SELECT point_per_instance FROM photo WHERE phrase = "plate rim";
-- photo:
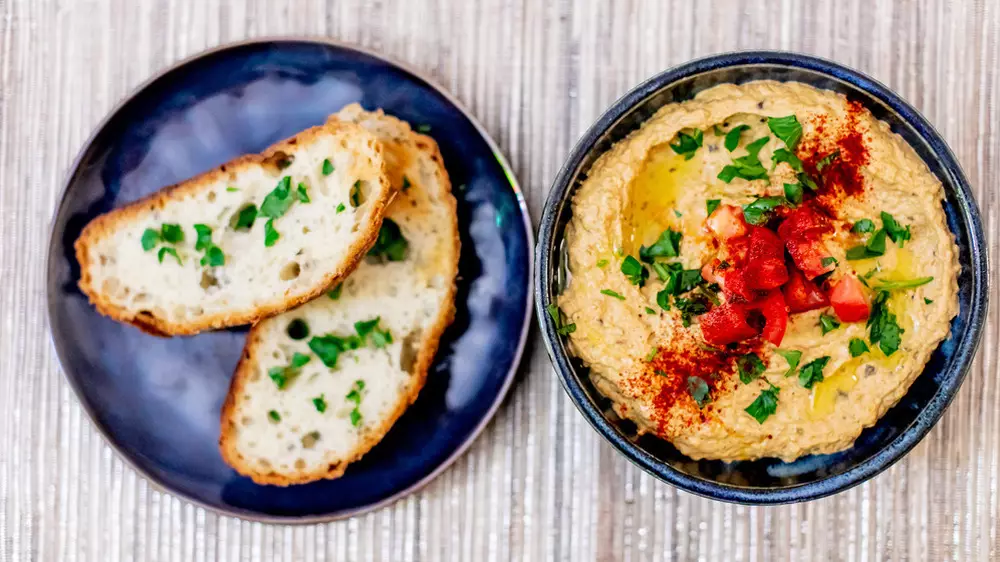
(249, 515)
(966, 349)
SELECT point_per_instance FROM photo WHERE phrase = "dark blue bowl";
(771, 481)
(157, 401)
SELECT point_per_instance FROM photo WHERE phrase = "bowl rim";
(154, 480)
(966, 344)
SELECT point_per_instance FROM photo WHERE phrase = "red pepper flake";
(843, 177)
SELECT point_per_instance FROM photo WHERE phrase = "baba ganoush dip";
(760, 271)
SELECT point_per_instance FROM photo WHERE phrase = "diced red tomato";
(726, 324)
(727, 222)
(808, 256)
(766, 274)
(775, 313)
(850, 300)
(734, 284)
(803, 222)
(801, 231)
(802, 294)
(764, 244)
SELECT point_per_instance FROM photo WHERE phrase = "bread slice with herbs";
(249, 239)
(318, 386)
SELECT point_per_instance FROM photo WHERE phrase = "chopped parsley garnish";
(681, 280)
(788, 129)
(302, 193)
(380, 338)
(857, 346)
(688, 144)
(232, 189)
(274, 415)
(282, 375)
(320, 403)
(246, 217)
(150, 238)
(883, 328)
(663, 299)
(896, 232)
(750, 367)
(335, 292)
(927, 301)
(827, 160)
(812, 372)
(792, 356)
(906, 284)
(634, 271)
(757, 211)
(765, 404)
(661, 270)
(329, 347)
(406, 184)
(807, 181)
(711, 205)
(602, 263)
(677, 213)
(340, 208)
(863, 225)
(652, 354)
(277, 202)
(354, 396)
(699, 390)
(356, 194)
(648, 311)
(611, 293)
(668, 245)
(390, 244)
(787, 156)
(213, 254)
(828, 323)
(168, 251)
(718, 130)
(298, 329)
(555, 314)
(733, 137)
(746, 167)
(829, 260)
(793, 193)
(172, 233)
(874, 248)
(327, 167)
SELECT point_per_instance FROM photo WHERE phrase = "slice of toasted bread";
(323, 417)
(294, 248)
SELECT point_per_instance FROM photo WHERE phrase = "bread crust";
(422, 363)
(105, 225)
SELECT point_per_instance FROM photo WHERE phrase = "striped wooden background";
(539, 484)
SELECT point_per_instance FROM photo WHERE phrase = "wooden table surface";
(539, 484)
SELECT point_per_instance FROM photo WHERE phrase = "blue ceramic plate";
(770, 481)
(157, 401)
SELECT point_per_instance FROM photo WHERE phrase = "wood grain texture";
(539, 484)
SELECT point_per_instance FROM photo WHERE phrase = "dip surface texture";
(747, 298)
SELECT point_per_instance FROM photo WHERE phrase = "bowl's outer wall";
(770, 480)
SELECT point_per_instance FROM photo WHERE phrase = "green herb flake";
(718, 130)
(270, 234)
(150, 238)
(214, 257)
(668, 245)
(204, 236)
(928, 301)
(168, 251)
(757, 212)
(764, 405)
(829, 260)
(320, 403)
(857, 346)
(602, 263)
(812, 372)
(733, 137)
(691, 307)
(827, 160)
(327, 167)
(232, 189)
(172, 233)
(277, 202)
(828, 323)
(390, 245)
(652, 354)
(793, 193)
(884, 330)
(746, 167)
(611, 293)
(863, 226)
(792, 357)
(556, 316)
(650, 310)
(354, 396)
(246, 217)
(283, 375)
(274, 415)
(634, 271)
(663, 299)
(356, 194)
(677, 213)
(303, 193)
(688, 144)
(905, 284)
(711, 205)
(335, 292)
(896, 232)
(340, 208)
(788, 129)
(699, 391)
(875, 247)
(750, 367)
(406, 184)
(787, 156)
